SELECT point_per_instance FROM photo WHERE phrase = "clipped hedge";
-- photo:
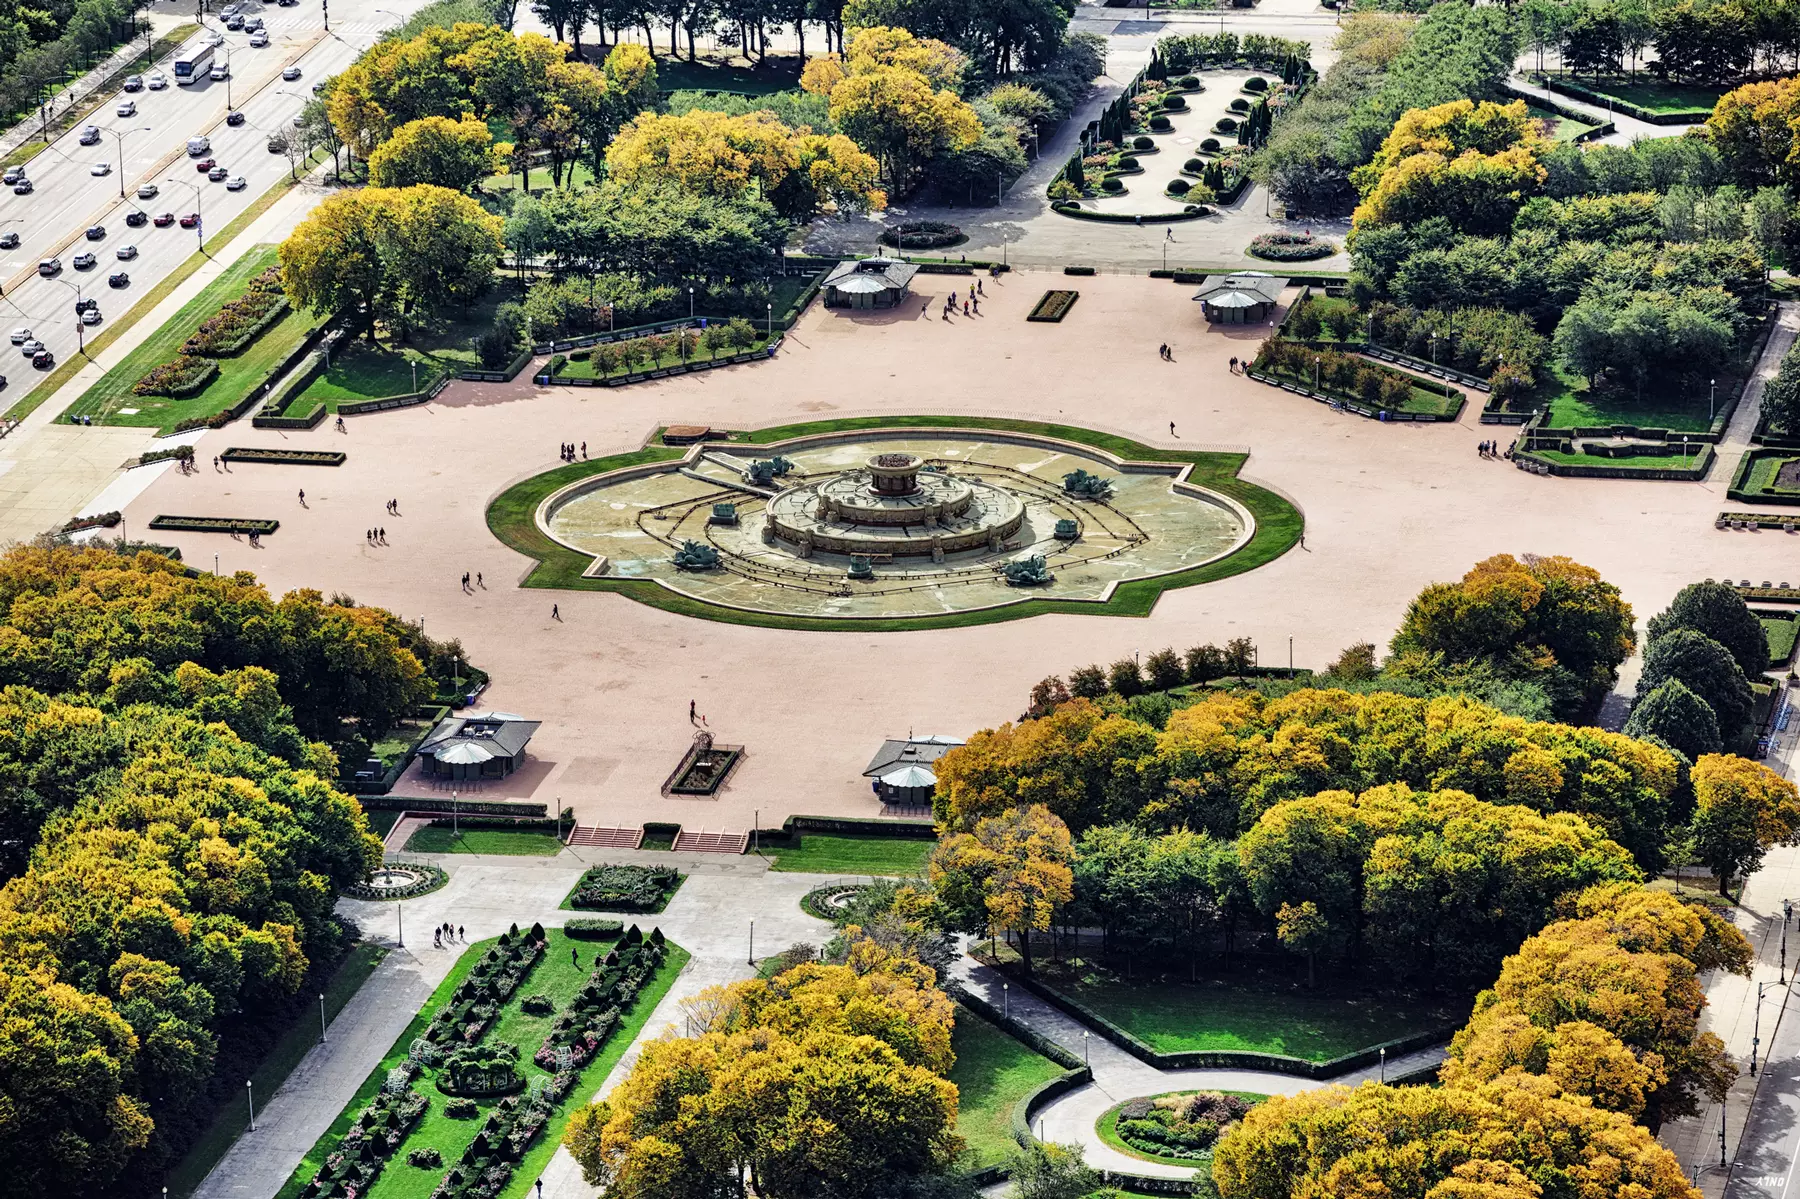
(592, 928)
(240, 322)
(626, 888)
(180, 377)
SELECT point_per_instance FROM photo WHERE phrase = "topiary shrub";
(1174, 103)
(427, 1158)
(1111, 185)
(922, 235)
(1193, 166)
(462, 1109)
(537, 1005)
(1179, 187)
(1240, 105)
(1189, 81)
(1140, 142)
(1256, 83)
(1160, 123)
(1225, 125)
(1209, 144)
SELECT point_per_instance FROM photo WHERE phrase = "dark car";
(118, 279)
(9, 241)
(43, 360)
(87, 305)
(22, 188)
(96, 232)
(235, 118)
(190, 220)
(164, 220)
(218, 174)
(137, 220)
(205, 164)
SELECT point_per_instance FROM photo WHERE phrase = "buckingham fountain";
(900, 523)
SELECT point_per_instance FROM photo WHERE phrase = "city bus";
(191, 67)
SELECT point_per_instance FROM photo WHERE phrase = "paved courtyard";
(1389, 508)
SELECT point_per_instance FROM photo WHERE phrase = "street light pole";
(752, 943)
(321, 1017)
(250, 1098)
(80, 341)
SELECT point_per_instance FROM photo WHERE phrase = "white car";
(146, 191)
(127, 108)
(126, 253)
(91, 317)
(215, 38)
(20, 336)
(90, 135)
(30, 345)
(259, 38)
(100, 168)
(156, 81)
(236, 183)
(85, 262)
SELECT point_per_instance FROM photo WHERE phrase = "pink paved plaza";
(1389, 508)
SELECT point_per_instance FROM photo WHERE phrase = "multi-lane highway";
(150, 147)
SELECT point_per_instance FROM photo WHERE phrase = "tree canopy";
(1719, 612)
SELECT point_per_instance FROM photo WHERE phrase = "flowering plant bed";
(593, 1014)
(284, 457)
(240, 322)
(184, 375)
(105, 520)
(626, 888)
(213, 524)
(1290, 247)
(1054, 305)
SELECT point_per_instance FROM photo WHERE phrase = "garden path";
(1118, 1076)
(1626, 129)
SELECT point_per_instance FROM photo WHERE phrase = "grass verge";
(51, 383)
(516, 842)
(1253, 1013)
(192, 1169)
(1278, 526)
(821, 854)
(554, 976)
(993, 1072)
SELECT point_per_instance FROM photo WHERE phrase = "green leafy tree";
(1674, 715)
(1706, 668)
(1719, 612)
(1741, 808)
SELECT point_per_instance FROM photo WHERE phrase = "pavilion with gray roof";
(868, 283)
(478, 745)
(1243, 298)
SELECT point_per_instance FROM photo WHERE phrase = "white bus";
(191, 67)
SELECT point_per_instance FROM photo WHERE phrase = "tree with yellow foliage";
(1741, 808)
(893, 94)
(1473, 163)
(436, 150)
(1011, 873)
(1753, 127)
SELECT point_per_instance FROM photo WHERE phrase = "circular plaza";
(892, 523)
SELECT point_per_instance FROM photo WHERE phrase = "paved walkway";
(1626, 129)
(1118, 1076)
(709, 917)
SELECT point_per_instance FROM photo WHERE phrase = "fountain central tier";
(894, 506)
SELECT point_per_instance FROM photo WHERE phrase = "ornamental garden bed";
(562, 1014)
(1053, 306)
(399, 880)
(1353, 381)
(922, 235)
(213, 524)
(641, 357)
(612, 888)
(1290, 247)
(1179, 1128)
(238, 453)
(1767, 476)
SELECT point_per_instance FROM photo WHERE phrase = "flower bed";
(625, 888)
(588, 928)
(1290, 247)
(285, 457)
(106, 520)
(180, 377)
(1183, 1127)
(371, 1139)
(238, 323)
(922, 235)
(596, 1009)
(213, 524)
(1054, 305)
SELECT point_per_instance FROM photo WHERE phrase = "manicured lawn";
(1658, 97)
(1576, 407)
(294, 1045)
(1780, 631)
(820, 854)
(450, 340)
(1258, 1015)
(1561, 128)
(994, 1071)
(540, 179)
(381, 823)
(516, 842)
(108, 400)
(554, 976)
(1645, 462)
(362, 372)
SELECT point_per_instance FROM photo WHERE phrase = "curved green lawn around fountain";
(512, 518)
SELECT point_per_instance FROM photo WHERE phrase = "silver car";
(126, 253)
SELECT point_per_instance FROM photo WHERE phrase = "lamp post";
(400, 924)
(690, 301)
(1756, 1029)
(455, 832)
(414, 363)
(199, 224)
(120, 135)
(769, 330)
(80, 341)
(322, 1037)
(1084, 1047)
(1787, 914)
(753, 942)
(1006, 1000)
(250, 1098)
(1712, 391)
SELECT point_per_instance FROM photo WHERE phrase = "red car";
(190, 220)
(164, 220)
(205, 164)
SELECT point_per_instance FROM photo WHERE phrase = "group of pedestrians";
(447, 934)
(1491, 449)
(467, 586)
(376, 536)
(568, 451)
(1168, 355)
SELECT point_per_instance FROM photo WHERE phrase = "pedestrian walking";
(478, 581)
(574, 956)
(555, 612)
(382, 533)
(965, 308)
(1162, 351)
(303, 497)
(978, 289)
(690, 711)
(584, 449)
(459, 932)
